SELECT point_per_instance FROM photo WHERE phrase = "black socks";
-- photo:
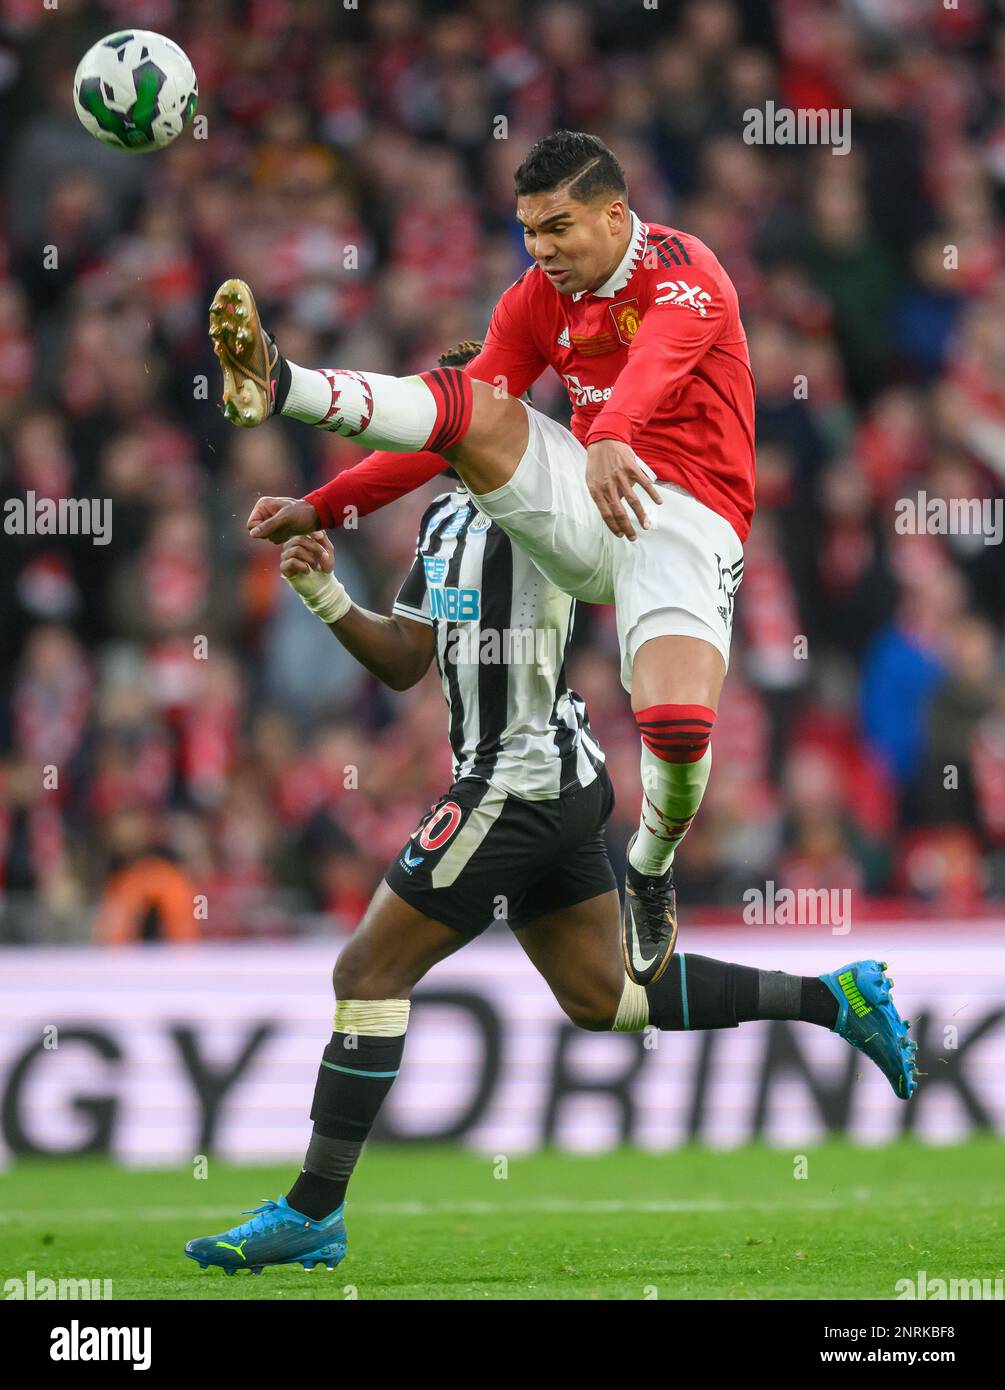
(816, 1003)
(697, 993)
(356, 1074)
(801, 997)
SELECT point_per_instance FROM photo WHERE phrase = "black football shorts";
(480, 855)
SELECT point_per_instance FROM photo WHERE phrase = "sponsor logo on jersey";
(409, 861)
(481, 523)
(626, 319)
(563, 339)
(454, 605)
(446, 601)
(585, 395)
(689, 296)
(435, 567)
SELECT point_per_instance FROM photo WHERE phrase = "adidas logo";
(563, 338)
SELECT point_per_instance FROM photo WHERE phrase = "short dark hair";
(461, 355)
(572, 158)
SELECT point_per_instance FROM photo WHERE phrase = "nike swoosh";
(638, 959)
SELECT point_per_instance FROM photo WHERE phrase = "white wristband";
(322, 594)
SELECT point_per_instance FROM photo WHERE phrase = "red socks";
(676, 733)
(451, 390)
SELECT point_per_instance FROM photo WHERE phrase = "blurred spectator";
(147, 897)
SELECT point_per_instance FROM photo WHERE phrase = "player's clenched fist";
(304, 554)
(279, 519)
(612, 474)
(307, 564)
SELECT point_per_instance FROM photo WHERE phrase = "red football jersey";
(656, 357)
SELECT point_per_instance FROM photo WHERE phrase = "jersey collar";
(626, 269)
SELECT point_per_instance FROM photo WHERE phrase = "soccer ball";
(135, 91)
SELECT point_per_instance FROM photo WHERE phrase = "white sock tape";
(375, 1018)
(633, 1011)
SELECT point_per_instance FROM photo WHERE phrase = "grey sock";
(333, 1159)
(778, 994)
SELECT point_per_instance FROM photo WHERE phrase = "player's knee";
(344, 976)
(495, 440)
(360, 974)
(355, 976)
(594, 1012)
(590, 1018)
(494, 409)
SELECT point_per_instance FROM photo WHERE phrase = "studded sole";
(236, 331)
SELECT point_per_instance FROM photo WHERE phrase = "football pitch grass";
(438, 1223)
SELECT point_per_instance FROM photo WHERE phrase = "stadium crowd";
(174, 727)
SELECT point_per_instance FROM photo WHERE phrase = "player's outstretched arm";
(396, 650)
(279, 519)
(375, 481)
(372, 483)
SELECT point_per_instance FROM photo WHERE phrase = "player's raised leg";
(567, 921)
(374, 977)
(524, 470)
(576, 951)
(434, 410)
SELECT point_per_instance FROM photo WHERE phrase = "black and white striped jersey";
(502, 632)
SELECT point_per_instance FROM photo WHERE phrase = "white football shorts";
(677, 579)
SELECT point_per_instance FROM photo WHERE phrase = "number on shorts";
(440, 826)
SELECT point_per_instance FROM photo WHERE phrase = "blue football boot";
(868, 1019)
(275, 1235)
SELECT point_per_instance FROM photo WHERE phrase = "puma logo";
(238, 1249)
